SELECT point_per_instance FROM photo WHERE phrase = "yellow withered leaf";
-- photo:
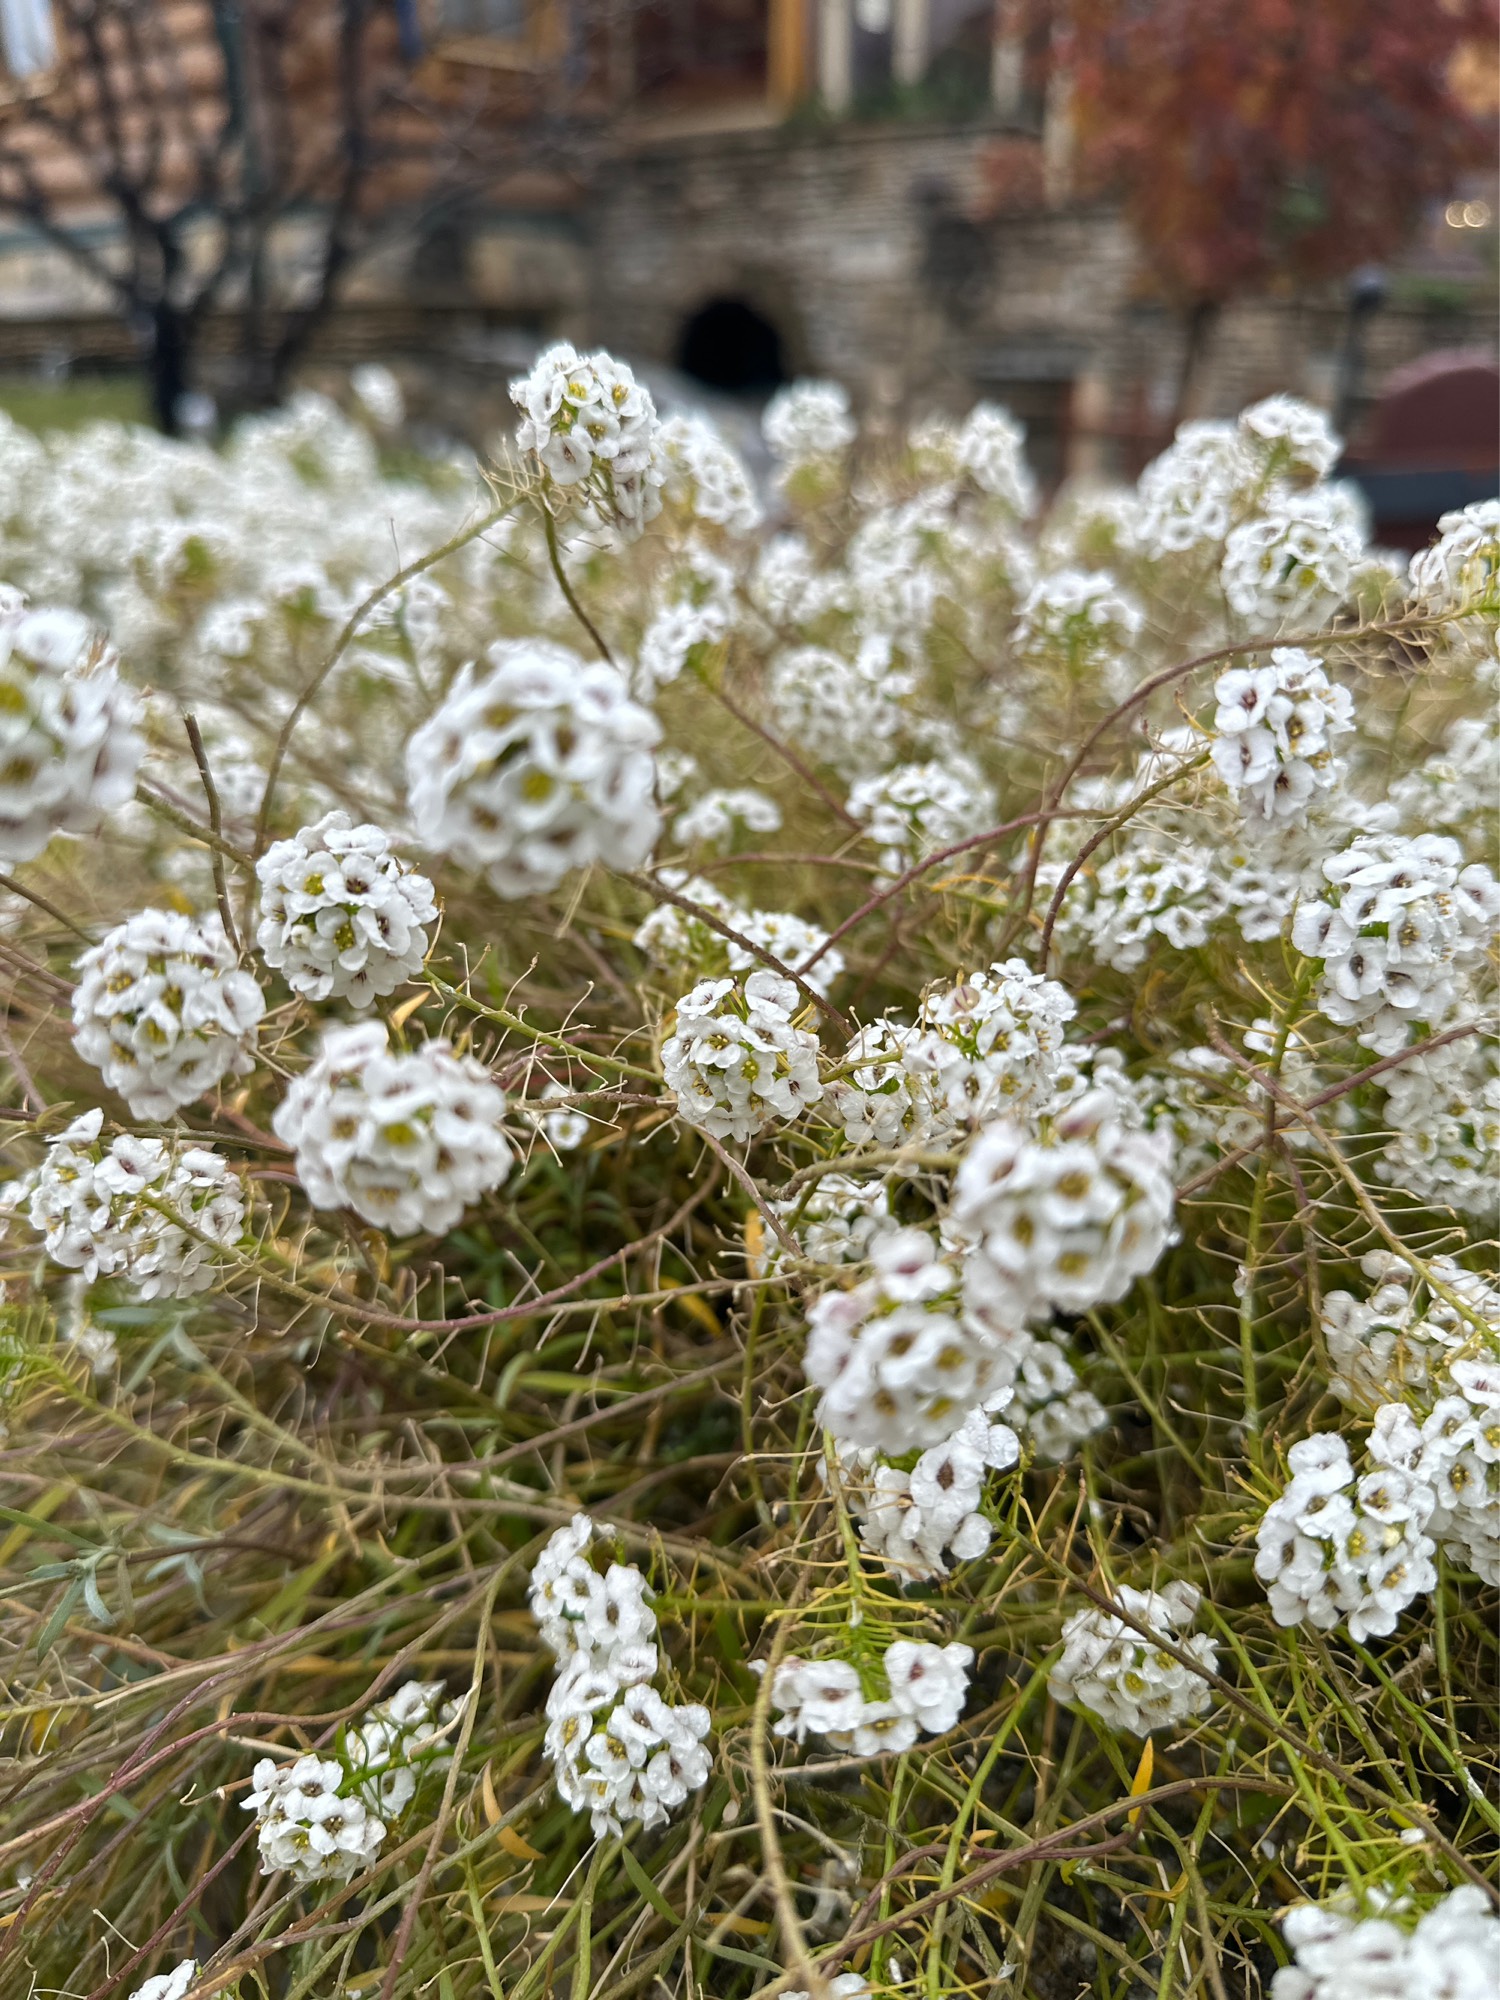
(1141, 1782)
(755, 1239)
(407, 1008)
(695, 1307)
(512, 1842)
(509, 1839)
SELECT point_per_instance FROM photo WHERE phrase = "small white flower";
(169, 1985)
(69, 727)
(595, 433)
(1110, 1668)
(735, 1063)
(340, 916)
(808, 421)
(537, 765)
(408, 1140)
(163, 1012)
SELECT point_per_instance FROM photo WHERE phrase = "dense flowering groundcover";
(748, 1240)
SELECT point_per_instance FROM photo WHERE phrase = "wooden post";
(909, 39)
(835, 55)
(1008, 58)
(786, 54)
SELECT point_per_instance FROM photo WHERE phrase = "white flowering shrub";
(620, 1751)
(163, 1012)
(69, 741)
(157, 1215)
(736, 1062)
(537, 767)
(341, 917)
(929, 1060)
(595, 433)
(406, 1138)
(1113, 1666)
(1339, 1954)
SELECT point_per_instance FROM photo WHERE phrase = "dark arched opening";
(728, 345)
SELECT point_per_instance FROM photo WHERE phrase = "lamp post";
(1368, 290)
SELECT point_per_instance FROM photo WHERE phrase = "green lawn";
(67, 406)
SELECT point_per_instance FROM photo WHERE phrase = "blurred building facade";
(876, 190)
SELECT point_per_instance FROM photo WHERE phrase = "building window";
(505, 19)
(28, 40)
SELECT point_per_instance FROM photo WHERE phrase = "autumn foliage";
(1257, 139)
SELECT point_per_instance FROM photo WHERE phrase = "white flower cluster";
(1455, 1453)
(594, 428)
(1079, 619)
(311, 1820)
(985, 1042)
(395, 1743)
(341, 917)
(715, 819)
(1424, 1354)
(900, 1358)
(1398, 1338)
(1148, 889)
(1442, 1111)
(407, 1140)
(704, 471)
(1454, 788)
(846, 713)
(893, 578)
(1188, 497)
(1288, 436)
(1295, 559)
(915, 1520)
(69, 727)
(538, 765)
(1051, 1404)
(1114, 1671)
(843, 1986)
(1334, 1545)
(1068, 1216)
(681, 943)
(1451, 1953)
(927, 1687)
(881, 1101)
(1289, 548)
(1460, 572)
(808, 421)
(836, 1219)
(1275, 728)
(990, 447)
(1408, 918)
(169, 1985)
(989, 1042)
(621, 1752)
(914, 810)
(144, 1210)
(162, 1010)
(735, 1062)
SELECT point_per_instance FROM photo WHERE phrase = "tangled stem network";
(749, 1238)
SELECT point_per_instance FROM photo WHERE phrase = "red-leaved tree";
(1256, 140)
